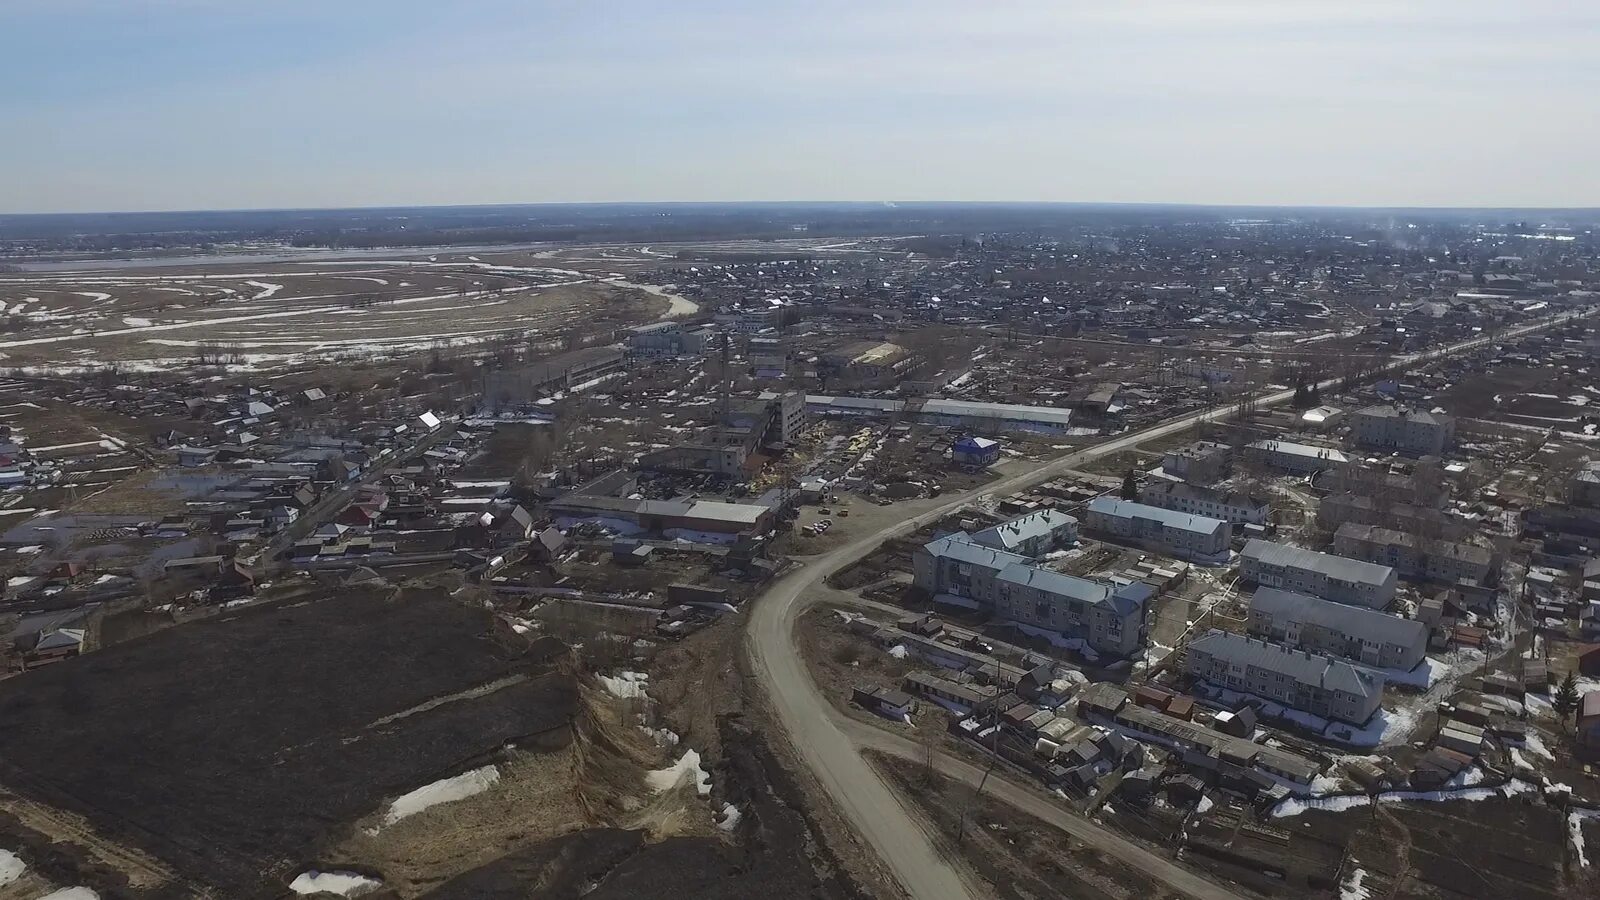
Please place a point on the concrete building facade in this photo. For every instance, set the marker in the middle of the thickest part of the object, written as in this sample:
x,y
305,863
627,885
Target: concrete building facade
x,y
1234,507
1318,574
1195,538
1309,682
1410,431
1337,629
1009,586
1415,557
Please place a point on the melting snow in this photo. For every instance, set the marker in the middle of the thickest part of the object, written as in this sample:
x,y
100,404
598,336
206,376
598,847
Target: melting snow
x,y
1351,888
688,766
1575,820
1295,805
730,818
627,685
11,867
446,790
345,884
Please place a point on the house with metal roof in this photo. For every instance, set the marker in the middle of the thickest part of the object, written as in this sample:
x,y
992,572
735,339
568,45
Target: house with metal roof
x,y
1199,539
1306,681
1318,574
1338,629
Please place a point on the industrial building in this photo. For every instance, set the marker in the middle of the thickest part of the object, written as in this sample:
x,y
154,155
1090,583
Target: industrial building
x,y
1337,629
1309,682
1318,574
505,390
1195,538
867,364
670,339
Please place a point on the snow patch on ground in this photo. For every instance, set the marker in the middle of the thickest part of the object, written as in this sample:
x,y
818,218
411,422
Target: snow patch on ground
x,y
71,893
1575,820
446,790
627,685
729,820
1536,746
345,884
687,767
1296,805
11,867
1351,889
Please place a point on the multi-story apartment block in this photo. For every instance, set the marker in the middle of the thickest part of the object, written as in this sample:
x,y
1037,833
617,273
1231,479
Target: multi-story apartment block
x,y
1415,557
1198,539
1201,462
1318,574
1412,431
1309,682
1235,507
1109,619
1298,458
1337,629
1033,534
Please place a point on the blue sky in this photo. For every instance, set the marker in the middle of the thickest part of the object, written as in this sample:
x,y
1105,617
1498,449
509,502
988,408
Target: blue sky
x,y
202,104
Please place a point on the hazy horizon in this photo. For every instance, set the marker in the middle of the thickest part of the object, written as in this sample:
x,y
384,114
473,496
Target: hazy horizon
x,y
201,105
